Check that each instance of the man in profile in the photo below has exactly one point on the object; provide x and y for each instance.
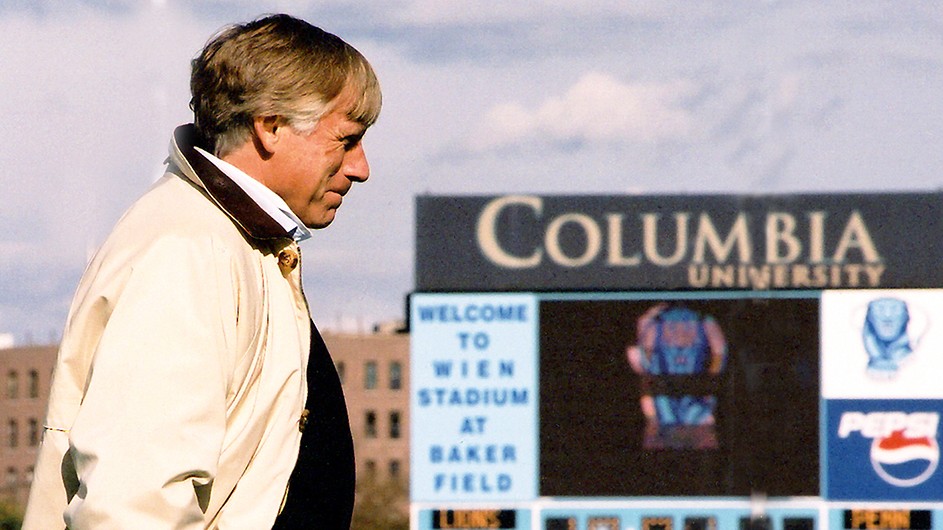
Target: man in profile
(192, 390)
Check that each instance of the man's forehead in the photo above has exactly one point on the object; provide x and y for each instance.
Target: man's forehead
(360, 102)
(347, 104)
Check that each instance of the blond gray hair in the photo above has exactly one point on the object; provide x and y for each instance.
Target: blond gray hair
(275, 66)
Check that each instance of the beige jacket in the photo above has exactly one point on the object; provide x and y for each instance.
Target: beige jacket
(180, 381)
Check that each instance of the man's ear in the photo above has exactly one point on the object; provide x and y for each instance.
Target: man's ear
(266, 129)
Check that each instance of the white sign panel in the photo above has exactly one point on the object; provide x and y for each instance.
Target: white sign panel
(474, 400)
(882, 344)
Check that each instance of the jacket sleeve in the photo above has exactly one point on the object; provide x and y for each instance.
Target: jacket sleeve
(150, 429)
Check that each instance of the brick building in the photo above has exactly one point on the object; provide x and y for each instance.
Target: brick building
(26, 372)
(374, 370)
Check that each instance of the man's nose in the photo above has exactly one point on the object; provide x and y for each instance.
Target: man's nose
(356, 166)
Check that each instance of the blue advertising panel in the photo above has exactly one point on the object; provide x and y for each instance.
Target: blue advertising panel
(474, 397)
(883, 450)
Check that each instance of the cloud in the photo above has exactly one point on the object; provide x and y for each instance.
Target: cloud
(91, 99)
(438, 13)
(598, 108)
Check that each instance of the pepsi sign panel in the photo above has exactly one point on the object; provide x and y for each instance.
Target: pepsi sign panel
(883, 450)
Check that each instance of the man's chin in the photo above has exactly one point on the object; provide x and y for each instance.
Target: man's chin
(321, 222)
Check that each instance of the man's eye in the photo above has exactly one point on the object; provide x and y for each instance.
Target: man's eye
(350, 142)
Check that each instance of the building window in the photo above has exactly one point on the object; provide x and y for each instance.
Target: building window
(33, 384)
(394, 469)
(370, 375)
(396, 375)
(11, 477)
(394, 424)
(371, 468)
(13, 433)
(370, 425)
(33, 432)
(340, 371)
(13, 385)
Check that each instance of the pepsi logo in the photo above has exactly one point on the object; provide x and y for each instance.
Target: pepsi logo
(903, 461)
(904, 451)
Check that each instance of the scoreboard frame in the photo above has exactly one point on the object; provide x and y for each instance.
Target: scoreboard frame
(524, 400)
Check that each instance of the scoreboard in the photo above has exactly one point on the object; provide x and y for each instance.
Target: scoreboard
(677, 362)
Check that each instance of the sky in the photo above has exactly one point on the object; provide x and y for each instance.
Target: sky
(480, 97)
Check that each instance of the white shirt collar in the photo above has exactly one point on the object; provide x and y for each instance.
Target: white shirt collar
(267, 199)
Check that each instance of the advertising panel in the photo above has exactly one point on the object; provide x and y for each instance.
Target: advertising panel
(883, 450)
(882, 344)
(881, 367)
(669, 242)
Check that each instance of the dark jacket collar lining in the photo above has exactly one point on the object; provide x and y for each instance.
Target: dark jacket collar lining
(227, 194)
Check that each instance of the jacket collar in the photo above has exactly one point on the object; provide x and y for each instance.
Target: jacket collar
(227, 195)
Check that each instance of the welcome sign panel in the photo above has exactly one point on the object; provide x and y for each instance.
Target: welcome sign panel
(474, 397)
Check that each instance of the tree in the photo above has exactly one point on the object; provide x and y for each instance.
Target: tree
(11, 517)
(380, 504)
